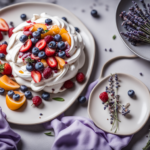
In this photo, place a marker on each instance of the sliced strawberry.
(36, 76)
(1, 36)
(41, 44)
(5, 69)
(10, 31)
(27, 27)
(27, 33)
(35, 57)
(3, 25)
(49, 51)
(3, 49)
(26, 46)
(51, 61)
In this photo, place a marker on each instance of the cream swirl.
(54, 83)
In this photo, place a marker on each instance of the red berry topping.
(35, 57)
(47, 73)
(48, 38)
(10, 32)
(104, 97)
(51, 61)
(27, 33)
(80, 77)
(49, 51)
(28, 21)
(27, 27)
(1, 36)
(5, 69)
(36, 100)
(36, 76)
(3, 49)
(25, 55)
(3, 25)
(68, 84)
(41, 44)
(26, 46)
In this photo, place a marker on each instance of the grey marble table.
(103, 28)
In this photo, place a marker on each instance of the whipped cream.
(54, 83)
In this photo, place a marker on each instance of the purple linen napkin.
(78, 133)
(8, 138)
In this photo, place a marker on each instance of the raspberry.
(36, 100)
(104, 97)
(80, 77)
(48, 38)
(1, 36)
(68, 84)
(47, 73)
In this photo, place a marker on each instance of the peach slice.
(61, 62)
(38, 25)
(8, 84)
(66, 37)
(14, 105)
(63, 30)
(44, 63)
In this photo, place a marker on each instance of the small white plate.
(139, 106)
(28, 114)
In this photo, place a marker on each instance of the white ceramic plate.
(139, 106)
(28, 115)
(142, 51)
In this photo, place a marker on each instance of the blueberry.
(28, 94)
(42, 54)
(52, 44)
(61, 54)
(82, 99)
(131, 93)
(36, 34)
(11, 24)
(23, 38)
(40, 30)
(2, 91)
(94, 13)
(35, 51)
(64, 18)
(46, 96)
(23, 88)
(77, 29)
(10, 93)
(16, 97)
(29, 67)
(4, 43)
(34, 41)
(2, 56)
(61, 45)
(39, 66)
(23, 16)
(48, 21)
(57, 38)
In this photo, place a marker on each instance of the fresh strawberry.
(27, 33)
(26, 46)
(49, 51)
(10, 31)
(27, 27)
(5, 69)
(1, 36)
(36, 76)
(68, 84)
(104, 97)
(28, 21)
(47, 73)
(41, 44)
(3, 49)
(48, 38)
(3, 25)
(35, 57)
(51, 61)
(36, 100)
(80, 77)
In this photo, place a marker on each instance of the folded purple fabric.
(8, 138)
(78, 133)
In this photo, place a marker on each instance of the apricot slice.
(14, 105)
(44, 63)
(66, 37)
(8, 84)
(61, 62)
(38, 25)
(63, 30)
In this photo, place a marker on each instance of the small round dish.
(142, 51)
(27, 114)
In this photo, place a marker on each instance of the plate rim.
(100, 80)
(125, 43)
(90, 71)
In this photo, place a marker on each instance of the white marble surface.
(33, 137)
